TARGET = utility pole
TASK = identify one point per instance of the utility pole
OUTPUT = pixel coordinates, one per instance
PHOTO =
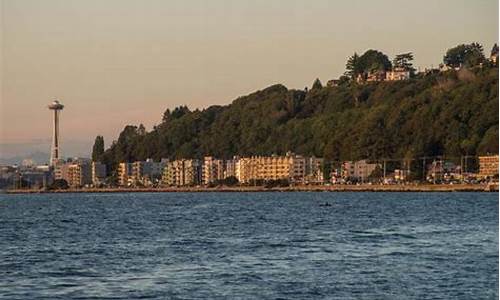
(434, 172)
(465, 163)
(461, 168)
(408, 167)
(384, 171)
(423, 168)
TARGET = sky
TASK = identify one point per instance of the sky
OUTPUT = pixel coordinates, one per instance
(118, 62)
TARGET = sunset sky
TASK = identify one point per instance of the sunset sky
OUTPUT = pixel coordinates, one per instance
(119, 62)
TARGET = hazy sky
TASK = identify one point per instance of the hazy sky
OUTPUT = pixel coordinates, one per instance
(118, 62)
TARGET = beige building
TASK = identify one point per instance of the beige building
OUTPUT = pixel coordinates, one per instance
(375, 76)
(230, 167)
(76, 172)
(124, 173)
(291, 167)
(61, 170)
(397, 74)
(79, 174)
(141, 173)
(313, 170)
(401, 175)
(213, 170)
(488, 165)
(182, 172)
(360, 169)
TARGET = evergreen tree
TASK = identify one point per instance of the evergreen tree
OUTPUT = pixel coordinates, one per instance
(494, 50)
(352, 68)
(404, 61)
(141, 130)
(317, 85)
(98, 149)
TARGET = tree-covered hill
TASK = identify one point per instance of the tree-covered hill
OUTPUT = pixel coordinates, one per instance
(450, 113)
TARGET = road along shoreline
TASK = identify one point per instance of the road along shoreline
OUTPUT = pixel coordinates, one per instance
(304, 188)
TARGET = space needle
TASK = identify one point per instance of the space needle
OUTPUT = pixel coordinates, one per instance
(54, 153)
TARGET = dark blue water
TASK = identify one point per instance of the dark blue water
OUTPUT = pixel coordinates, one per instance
(249, 246)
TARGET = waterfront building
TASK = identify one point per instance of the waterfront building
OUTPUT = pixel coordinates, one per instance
(363, 169)
(7, 174)
(246, 169)
(488, 166)
(98, 173)
(313, 170)
(347, 169)
(401, 175)
(442, 170)
(182, 172)
(158, 167)
(60, 170)
(212, 170)
(79, 174)
(124, 173)
(290, 167)
(173, 173)
(336, 176)
(359, 170)
(140, 173)
(147, 172)
(230, 167)
(28, 176)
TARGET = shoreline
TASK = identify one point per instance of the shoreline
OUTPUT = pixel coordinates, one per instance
(311, 188)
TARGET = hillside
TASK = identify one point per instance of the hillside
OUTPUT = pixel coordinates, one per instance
(452, 113)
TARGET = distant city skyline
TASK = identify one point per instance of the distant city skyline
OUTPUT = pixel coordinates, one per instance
(114, 63)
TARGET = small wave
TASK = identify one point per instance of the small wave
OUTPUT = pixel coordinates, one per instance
(67, 221)
(396, 253)
(381, 235)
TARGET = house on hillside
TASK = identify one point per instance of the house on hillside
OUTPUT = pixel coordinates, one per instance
(397, 74)
(333, 83)
(376, 76)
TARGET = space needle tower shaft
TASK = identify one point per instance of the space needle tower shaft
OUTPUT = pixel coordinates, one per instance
(54, 153)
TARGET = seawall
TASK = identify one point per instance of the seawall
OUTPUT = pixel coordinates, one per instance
(305, 188)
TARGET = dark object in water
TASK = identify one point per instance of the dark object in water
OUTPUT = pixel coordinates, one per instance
(325, 204)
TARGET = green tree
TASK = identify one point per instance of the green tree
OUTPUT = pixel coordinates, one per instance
(98, 148)
(373, 60)
(494, 55)
(141, 130)
(376, 174)
(317, 85)
(467, 55)
(404, 61)
(352, 66)
(59, 184)
(494, 50)
(489, 143)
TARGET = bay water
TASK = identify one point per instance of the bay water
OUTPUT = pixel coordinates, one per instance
(294, 245)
